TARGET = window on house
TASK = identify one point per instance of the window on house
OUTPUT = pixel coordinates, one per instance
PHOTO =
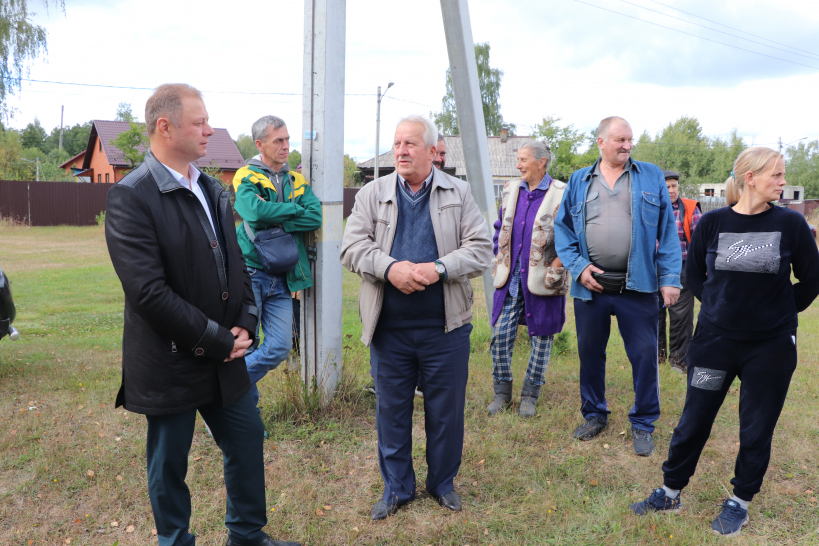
(709, 192)
(100, 145)
(107, 181)
(796, 195)
(722, 193)
(99, 179)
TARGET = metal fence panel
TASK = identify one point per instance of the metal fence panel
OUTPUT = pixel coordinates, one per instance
(52, 203)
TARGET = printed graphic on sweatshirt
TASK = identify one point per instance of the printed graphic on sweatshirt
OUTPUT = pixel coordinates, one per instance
(749, 252)
(706, 379)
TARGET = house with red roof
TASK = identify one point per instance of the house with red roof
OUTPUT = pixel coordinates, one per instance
(104, 163)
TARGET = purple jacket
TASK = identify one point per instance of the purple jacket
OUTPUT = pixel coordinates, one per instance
(543, 315)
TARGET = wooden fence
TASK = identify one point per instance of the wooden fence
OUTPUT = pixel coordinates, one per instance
(52, 203)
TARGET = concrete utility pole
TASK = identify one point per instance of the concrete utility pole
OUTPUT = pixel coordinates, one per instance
(62, 111)
(471, 123)
(323, 166)
(378, 126)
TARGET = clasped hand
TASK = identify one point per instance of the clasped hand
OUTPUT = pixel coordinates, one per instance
(241, 341)
(410, 277)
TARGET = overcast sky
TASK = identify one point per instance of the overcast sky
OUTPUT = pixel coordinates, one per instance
(566, 58)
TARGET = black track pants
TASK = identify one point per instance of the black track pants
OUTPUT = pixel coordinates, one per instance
(765, 368)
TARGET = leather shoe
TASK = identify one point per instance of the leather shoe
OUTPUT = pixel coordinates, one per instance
(450, 501)
(267, 541)
(382, 510)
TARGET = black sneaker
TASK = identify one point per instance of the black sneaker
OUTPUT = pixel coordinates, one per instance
(591, 428)
(658, 501)
(731, 520)
(677, 367)
(643, 442)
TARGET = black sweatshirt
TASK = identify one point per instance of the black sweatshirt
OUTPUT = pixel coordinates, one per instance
(739, 267)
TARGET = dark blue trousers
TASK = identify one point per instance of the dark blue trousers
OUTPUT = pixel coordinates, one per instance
(636, 314)
(400, 360)
(239, 433)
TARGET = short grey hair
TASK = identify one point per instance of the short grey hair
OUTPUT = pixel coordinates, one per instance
(540, 149)
(605, 124)
(166, 102)
(430, 132)
(440, 137)
(259, 129)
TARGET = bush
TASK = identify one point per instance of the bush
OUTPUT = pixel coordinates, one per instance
(100, 218)
(562, 344)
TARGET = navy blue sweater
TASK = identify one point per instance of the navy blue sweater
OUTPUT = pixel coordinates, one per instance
(414, 241)
(739, 267)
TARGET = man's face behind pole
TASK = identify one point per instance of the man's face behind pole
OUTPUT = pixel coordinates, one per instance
(189, 141)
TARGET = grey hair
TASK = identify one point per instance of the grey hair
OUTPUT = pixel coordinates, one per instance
(540, 149)
(259, 129)
(166, 102)
(603, 128)
(430, 132)
(440, 137)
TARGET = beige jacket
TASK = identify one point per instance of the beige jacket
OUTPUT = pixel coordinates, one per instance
(461, 231)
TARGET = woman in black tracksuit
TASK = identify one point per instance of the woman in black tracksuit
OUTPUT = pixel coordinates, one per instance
(739, 266)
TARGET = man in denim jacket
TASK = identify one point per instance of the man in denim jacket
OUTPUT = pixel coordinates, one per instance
(616, 219)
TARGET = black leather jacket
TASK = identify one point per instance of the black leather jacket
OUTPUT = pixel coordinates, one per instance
(185, 287)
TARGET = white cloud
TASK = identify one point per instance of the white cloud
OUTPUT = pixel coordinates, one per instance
(559, 57)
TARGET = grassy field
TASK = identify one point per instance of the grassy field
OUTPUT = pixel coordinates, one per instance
(72, 467)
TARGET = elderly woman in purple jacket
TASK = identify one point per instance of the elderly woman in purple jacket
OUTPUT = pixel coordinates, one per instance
(530, 282)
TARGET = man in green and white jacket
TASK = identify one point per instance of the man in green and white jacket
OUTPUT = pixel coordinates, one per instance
(268, 194)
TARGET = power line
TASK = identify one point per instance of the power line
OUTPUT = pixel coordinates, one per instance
(695, 36)
(811, 57)
(732, 28)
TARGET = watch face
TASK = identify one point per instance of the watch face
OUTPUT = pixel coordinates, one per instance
(440, 268)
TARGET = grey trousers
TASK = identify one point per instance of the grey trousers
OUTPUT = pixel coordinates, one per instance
(680, 330)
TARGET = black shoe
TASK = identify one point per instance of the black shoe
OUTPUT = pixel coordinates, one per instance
(382, 510)
(591, 428)
(450, 501)
(267, 541)
(643, 442)
(658, 501)
(731, 520)
(679, 368)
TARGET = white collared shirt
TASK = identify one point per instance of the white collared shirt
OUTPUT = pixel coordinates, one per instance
(193, 173)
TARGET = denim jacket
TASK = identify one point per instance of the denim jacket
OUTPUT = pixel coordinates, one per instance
(654, 241)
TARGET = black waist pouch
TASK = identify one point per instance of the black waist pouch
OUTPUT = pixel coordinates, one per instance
(612, 282)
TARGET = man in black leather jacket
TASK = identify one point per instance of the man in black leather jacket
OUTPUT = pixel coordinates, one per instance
(189, 317)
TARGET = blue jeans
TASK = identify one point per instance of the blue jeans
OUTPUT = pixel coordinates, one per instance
(636, 314)
(276, 319)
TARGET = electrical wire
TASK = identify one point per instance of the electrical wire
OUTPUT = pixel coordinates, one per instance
(695, 36)
(732, 28)
(811, 57)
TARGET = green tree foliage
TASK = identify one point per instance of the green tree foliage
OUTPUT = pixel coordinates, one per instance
(246, 146)
(803, 167)
(352, 176)
(489, 82)
(129, 142)
(21, 41)
(566, 143)
(124, 112)
(33, 136)
(75, 139)
(681, 146)
(294, 159)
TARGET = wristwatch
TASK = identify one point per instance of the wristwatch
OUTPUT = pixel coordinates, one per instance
(441, 269)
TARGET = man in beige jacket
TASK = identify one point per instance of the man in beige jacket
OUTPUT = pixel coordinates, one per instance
(416, 237)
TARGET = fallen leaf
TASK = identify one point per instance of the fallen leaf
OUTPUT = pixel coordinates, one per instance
(89, 473)
(605, 446)
(13, 432)
(481, 461)
(319, 512)
(488, 511)
(593, 483)
(196, 458)
(368, 457)
(77, 520)
(153, 532)
(355, 529)
(101, 435)
(486, 531)
(68, 541)
(114, 524)
(327, 507)
(117, 438)
(130, 529)
(737, 443)
(474, 484)
(622, 432)
(552, 456)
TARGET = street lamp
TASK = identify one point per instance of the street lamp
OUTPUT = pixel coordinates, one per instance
(378, 126)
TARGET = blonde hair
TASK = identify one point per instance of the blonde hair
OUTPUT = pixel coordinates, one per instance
(750, 160)
(166, 102)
